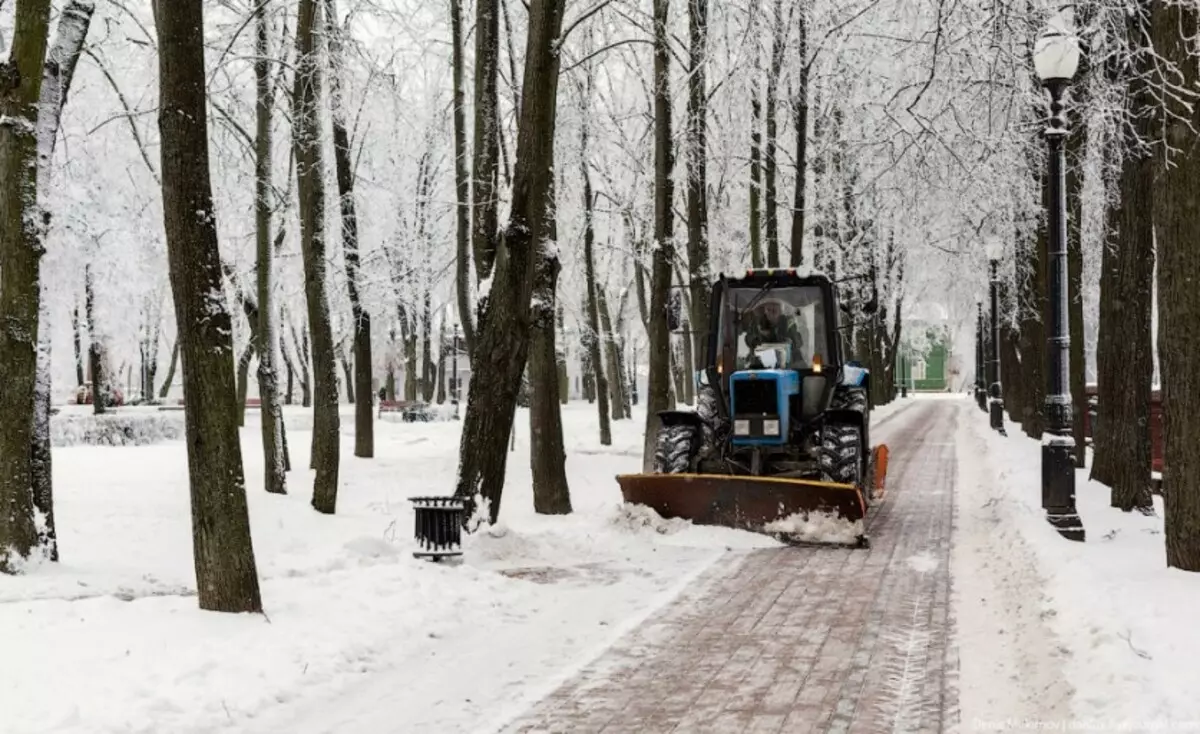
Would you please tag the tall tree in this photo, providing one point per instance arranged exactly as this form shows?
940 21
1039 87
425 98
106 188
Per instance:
547 457
800 123
1122 435
364 416
1177 219
756 253
21 253
658 389
770 169
310 183
226 575
592 331
697 180
57 75
503 331
270 406
462 183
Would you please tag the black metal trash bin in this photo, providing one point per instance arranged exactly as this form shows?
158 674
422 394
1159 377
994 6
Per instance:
439 523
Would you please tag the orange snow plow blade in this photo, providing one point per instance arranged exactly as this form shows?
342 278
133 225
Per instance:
879 464
742 502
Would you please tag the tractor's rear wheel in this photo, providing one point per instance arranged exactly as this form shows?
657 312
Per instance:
675 449
840 454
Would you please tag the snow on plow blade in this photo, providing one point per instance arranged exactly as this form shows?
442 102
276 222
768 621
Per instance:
772 505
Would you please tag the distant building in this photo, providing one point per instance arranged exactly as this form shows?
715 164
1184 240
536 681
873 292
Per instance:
926 361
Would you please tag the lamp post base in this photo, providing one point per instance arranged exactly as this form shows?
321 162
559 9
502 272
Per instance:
996 409
1058 487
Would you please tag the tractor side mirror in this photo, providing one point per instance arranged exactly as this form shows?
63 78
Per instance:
675 312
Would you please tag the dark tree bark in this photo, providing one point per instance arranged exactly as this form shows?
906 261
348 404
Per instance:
462 185
592 333
658 390
77 339
99 376
547 456
485 212
441 362
274 476
171 367
800 123
226 576
770 169
21 249
1032 339
57 74
348 376
504 327
360 385
311 189
1177 219
1122 435
616 381
697 181
756 253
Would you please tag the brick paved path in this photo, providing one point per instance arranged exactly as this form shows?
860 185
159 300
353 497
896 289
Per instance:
799 640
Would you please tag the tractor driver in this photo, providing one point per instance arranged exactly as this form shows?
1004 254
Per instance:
768 324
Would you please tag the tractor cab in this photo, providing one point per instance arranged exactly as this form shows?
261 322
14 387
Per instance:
775 351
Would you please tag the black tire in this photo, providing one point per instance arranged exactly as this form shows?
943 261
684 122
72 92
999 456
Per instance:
850 398
840 455
708 407
675 449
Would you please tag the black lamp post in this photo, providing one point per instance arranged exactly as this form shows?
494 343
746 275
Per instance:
995 394
1055 59
980 377
454 371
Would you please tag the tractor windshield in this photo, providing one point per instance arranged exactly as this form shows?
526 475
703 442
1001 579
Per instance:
774 321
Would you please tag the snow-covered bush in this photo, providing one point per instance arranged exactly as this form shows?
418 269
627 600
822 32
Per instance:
116 429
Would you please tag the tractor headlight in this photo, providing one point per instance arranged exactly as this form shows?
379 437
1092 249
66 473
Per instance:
741 428
771 428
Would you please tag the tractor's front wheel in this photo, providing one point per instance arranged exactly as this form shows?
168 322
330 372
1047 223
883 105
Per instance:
676 448
840 455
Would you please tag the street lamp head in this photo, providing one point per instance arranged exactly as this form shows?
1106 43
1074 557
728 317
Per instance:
1056 54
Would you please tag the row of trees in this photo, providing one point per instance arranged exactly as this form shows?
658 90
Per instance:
561 200
1130 157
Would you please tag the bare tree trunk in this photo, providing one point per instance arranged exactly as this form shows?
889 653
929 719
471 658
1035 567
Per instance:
756 253
270 409
243 381
226 575
441 363
589 264
57 74
697 181
311 189
1177 218
171 366
485 192
99 376
564 379
770 170
1123 427
616 381
364 416
348 375
504 326
462 185
547 457
800 123
428 373
658 391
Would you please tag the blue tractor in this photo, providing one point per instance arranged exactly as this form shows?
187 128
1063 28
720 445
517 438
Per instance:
782 424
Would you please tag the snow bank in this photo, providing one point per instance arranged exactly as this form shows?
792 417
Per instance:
1122 621
115 429
354 626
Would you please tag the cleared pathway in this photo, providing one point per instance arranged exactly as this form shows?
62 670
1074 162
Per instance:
800 640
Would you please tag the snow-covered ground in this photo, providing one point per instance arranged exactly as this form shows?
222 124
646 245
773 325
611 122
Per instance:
111 640
1063 636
